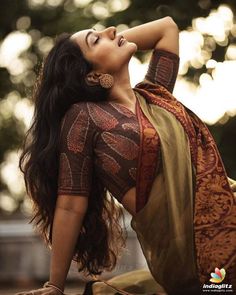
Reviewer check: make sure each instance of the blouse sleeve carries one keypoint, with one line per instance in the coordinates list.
(163, 68)
(76, 153)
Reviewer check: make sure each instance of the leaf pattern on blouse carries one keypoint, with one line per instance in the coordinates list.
(163, 72)
(131, 126)
(122, 145)
(109, 164)
(163, 68)
(78, 132)
(101, 118)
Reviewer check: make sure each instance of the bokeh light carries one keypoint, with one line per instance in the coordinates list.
(212, 97)
(11, 48)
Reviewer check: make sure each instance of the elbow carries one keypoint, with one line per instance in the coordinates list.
(171, 24)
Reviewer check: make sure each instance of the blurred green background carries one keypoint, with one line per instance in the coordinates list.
(206, 82)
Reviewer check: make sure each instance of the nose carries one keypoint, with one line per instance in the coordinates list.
(110, 32)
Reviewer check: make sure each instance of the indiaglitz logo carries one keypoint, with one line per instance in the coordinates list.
(218, 276)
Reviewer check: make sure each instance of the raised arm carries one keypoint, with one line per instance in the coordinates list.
(159, 34)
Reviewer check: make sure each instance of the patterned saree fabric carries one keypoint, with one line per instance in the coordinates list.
(164, 226)
(214, 205)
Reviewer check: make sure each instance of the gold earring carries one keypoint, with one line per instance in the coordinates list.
(106, 81)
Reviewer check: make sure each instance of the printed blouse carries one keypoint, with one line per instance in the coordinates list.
(103, 138)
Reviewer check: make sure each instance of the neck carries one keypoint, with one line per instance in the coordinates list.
(122, 92)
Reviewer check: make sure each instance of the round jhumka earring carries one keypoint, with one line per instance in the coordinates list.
(106, 81)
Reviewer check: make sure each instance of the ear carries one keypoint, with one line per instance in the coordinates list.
(92, 78)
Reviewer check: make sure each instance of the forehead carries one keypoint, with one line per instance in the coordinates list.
(79, 37)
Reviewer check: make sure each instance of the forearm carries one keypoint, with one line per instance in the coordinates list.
(66, 228)
(162, 33)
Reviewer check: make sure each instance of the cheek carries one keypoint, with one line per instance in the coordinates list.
(107, 58)
(111, 58)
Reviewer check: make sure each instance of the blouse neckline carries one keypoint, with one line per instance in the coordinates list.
(126, 108)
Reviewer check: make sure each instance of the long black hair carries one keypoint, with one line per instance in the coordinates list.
(61, 83)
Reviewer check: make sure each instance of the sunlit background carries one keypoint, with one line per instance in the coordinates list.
(206, 85)
(212, 97)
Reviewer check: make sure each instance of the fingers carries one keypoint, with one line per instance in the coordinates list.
(41, 291)
(25, 293)
(33, 292)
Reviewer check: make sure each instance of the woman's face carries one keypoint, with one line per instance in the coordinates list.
(105, 50)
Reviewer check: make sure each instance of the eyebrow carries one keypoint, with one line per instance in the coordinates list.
(86, 37)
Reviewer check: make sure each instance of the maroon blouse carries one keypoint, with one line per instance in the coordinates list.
(104, 138)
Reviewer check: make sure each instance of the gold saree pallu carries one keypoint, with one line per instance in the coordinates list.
(188, 226)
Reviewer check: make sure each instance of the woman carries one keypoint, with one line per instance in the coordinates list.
(93, 133)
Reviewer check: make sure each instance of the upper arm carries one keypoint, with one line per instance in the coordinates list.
(78, 203)
(170, 38)
(160, 34)
(76, 154)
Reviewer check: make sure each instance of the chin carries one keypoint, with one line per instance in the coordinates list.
(131, 49)
(133, 46)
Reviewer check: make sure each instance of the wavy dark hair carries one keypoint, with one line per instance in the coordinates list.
(60, 84)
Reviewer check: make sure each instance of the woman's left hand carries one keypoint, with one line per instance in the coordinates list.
(41, 291)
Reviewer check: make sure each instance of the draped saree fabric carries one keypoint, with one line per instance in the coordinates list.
(188, 226)
(165, 225)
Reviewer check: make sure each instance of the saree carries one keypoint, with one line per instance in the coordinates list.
(188, 226)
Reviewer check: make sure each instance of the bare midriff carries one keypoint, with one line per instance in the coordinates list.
(129, 201)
